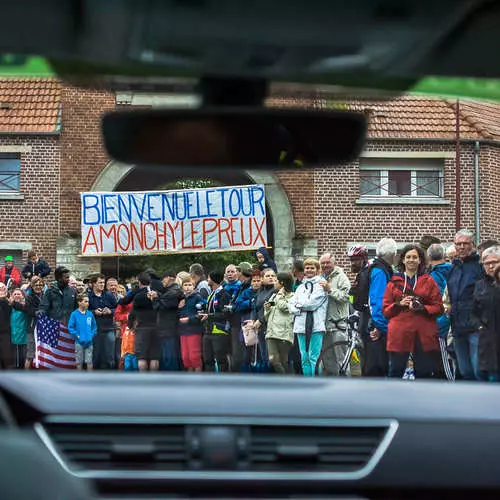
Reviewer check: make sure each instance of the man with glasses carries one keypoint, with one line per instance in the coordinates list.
(466, 271)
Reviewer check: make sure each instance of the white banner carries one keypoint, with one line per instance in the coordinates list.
(197, 220)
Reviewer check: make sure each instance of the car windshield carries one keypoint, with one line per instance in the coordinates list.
(386, 266)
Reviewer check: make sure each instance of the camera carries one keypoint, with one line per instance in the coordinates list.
(416, 303)
(272, 303)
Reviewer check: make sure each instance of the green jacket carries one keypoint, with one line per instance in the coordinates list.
(18, 327)
(279, 319)
(338, 299)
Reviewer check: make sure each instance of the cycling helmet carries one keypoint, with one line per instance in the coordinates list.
(357, 251)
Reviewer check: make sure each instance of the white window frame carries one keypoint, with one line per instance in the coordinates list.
(415, 164)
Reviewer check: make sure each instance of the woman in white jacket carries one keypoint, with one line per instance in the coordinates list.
(309, 305)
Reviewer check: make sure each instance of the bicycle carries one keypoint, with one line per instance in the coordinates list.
(353, 343)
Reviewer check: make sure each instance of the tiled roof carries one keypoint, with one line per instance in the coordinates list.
(29, 105)
(484, 116)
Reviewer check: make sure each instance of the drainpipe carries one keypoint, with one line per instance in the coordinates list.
(458, 205)
(476, 185)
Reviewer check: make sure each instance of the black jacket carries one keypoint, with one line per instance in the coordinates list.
(461, 282)
(4, 317)
(143, 310)
(262, 296)
(59, 303)
(167, 305)
(106, 299)
(217, 313)
(41, 268)
(485, 318)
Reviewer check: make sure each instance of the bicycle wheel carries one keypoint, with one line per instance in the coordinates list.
(339, 343)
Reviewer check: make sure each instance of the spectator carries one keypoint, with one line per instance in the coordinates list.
(485, 315)
(240, 309)
(440, 271)
(35, 266)
(217, 340)
(265, 261)
(103, 305)
(309, 306)
(279, 332)
(128, 360)
(147, 339)
(412, 301)
(9, 274)
(336, 284)
(5, 345)
(375, 337)
(451, 253)
(83, 327)
(167, 305)
(464, 275)
(190, 327)
(18, 328)
(200, 283)
(30, 307)
(297, 273)
(59, 300)
(484, 245)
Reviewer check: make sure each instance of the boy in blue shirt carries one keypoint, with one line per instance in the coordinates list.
(83, 327)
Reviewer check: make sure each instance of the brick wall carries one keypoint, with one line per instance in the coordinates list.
(489, 184)
(340, 221)
(35, 218)
(82, 152)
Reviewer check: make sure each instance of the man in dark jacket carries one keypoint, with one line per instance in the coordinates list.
(147, 340)
(103, 305)
(217, 339)
(59, 300)
(466, 271)
(35, 266)
(166, 303)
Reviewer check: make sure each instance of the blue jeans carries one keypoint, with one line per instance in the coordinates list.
(104, 350)
(310, 356)
(466, 349)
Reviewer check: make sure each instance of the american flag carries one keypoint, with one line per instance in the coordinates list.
(55, 347)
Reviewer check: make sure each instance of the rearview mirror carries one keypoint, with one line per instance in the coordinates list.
(237, 137)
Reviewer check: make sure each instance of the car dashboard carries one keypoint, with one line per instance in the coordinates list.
(182, 435)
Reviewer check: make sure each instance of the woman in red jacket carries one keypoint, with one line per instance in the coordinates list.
(412, 301)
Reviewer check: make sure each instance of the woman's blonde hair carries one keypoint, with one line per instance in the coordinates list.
(312, 262)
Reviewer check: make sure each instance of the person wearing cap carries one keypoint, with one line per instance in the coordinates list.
(217, 339)
(35, 266)
(167, 304)
(10, 274)
(241, 308)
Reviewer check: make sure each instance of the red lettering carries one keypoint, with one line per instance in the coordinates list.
(194, 232)
(108, 234)
(136, 234)
(172, 231)
(206, 230)
(162, 236)
(259, 229)
(234, 220)
(124, 248)
(243, 227)
(90, 240)
(226, 230)
(145, 230)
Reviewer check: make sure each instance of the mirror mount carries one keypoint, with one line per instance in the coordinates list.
(233, 92)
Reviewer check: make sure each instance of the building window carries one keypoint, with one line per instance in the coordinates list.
(10, 170)
(400, 177)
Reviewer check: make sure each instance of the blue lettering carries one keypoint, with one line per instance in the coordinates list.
(166, 199)
(258, 199)
(188, 204)
(209, 203)
(246, 198)
(122, 205)
(235, 202)
(151, 207)
(222, 192)
(87, 206)
(177, 197)
(108, 208)
(140, 212)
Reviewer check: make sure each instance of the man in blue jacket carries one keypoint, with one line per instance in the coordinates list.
(380, 271)
(103, 305)
(440, 271)
(466, 271)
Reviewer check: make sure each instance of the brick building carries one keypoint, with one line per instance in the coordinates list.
(403, 186)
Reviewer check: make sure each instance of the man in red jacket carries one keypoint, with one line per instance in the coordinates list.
(9, 274)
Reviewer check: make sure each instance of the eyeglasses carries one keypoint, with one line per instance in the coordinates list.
(491, 263)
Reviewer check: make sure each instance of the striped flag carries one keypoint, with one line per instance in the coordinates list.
(55, 347)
